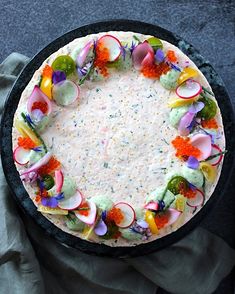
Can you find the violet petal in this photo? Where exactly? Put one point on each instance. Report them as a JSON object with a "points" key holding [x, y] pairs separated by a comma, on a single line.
{"points": [[192, 162], [49, 201], [159, 55], [184, 123], [101, 228], [143, 224], [196, 107], [60, 196], [58, 76], [37, 115]]}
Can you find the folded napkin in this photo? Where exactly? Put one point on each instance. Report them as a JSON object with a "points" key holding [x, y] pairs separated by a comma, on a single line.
{"points": [[32, 262]]}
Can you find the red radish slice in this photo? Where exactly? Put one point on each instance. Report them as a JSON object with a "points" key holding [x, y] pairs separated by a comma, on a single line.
{"points": [[152, 205], [198, 200], [142, 54], [188, 89], [215, 161], [44, 160], [38, 96], [128, 213], [82, 55], [112, 44], [90, 218], [203, 143], [59, 180], [71, 203], [65, 92], [173, 215], [21, 155]]}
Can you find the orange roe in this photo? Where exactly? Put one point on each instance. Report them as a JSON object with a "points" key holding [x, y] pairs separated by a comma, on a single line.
{"points": [[209, 124], [154, 71], [41, 106], [188, 193], [101, 59], [115, 215], [47, 71], [52, 165], [38, 199], [171, 56], [184, 148], [84, 212], [26, 143], [161, 220]]}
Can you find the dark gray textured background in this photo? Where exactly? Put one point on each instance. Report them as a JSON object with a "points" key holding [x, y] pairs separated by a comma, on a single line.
{"points": [[26, 26]]}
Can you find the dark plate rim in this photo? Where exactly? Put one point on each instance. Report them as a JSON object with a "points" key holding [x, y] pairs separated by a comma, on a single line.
{"points": [[13, 179]]}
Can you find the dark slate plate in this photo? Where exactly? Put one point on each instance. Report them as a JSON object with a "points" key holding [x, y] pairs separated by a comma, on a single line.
{"points": [[13, 179]]}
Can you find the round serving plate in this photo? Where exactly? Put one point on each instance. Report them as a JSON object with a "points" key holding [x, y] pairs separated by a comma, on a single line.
{"points": [[12, 176]]}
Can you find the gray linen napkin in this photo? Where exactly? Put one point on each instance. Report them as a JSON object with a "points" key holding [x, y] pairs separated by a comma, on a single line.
{"points": [[37, 264]]}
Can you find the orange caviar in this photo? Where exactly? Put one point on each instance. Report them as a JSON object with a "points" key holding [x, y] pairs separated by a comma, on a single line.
{"points": [[47, 71], [115, 215], [85, 211], [101, 59], [50, 167], [154, 71], [41, 106], [26, 143], [38, 198], [188, 193], [184, 148], [161, 220], [171, 56], [209, 124]]}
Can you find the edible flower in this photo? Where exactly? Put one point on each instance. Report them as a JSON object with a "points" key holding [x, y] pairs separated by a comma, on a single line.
{"points": [[159, 56], [58, 76], [49, 202], [192, 162]]}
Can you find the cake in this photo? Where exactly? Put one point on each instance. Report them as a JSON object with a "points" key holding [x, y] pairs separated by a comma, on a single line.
{"points": [[118, 138]]}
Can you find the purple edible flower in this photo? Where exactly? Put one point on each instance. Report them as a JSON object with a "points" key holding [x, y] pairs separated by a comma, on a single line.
{"points": [[174, 66], [37, 149], [58, 76], [159, 55], [30, 177], [49, 202], [161, 204], [192, 162], [196, 107], [60, 196], [133, 45], [29, 120], [192, 187], [123, 51], [104, 215]]}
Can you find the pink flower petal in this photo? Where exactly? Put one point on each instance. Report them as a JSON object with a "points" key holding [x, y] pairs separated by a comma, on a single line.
{"points": [[142, 51], [203, 143]]}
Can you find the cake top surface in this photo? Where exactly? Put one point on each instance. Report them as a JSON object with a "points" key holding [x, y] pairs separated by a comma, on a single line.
{"points": [[120, 137]]}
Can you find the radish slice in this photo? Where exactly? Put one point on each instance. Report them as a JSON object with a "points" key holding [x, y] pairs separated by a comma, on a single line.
{"points": [[65, 92], [44, 160], [82, 55], [38, 96], [173, 215], [71, 203], [101, 228], [112, 44], [59, 180], [21, 155], [197, 200], [152, 206], [141, 54], [216, 149], [188, 89], [203, 143], [90, 218], [128, 212]]}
